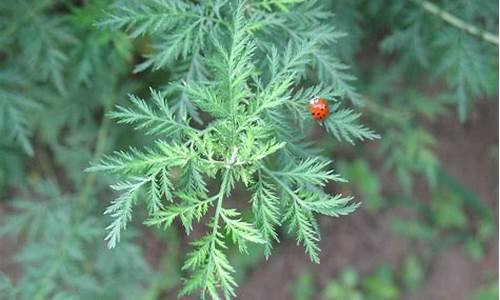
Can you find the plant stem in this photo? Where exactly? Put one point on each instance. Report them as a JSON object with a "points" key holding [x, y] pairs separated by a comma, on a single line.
{"points": [[220, 198], [281, 183], [457, 22], [218, 208]]}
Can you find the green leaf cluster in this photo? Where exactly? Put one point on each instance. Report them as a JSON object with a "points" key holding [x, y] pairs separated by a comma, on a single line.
{"points": [[55, 252], [254, 136]]}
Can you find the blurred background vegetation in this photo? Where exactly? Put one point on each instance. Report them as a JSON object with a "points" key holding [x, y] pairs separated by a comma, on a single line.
{"points": [[427, 82]]}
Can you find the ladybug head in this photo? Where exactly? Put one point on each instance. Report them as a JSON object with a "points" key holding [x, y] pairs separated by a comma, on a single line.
{"points": [[314, 100]]}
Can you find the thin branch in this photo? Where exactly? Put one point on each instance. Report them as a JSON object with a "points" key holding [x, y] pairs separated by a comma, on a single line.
{"points": [[457, 22], [215, 229]]}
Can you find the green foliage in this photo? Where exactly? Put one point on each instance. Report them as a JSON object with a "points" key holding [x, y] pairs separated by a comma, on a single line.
{"points": [[217, 112], [303, 287], [346, 287], [249, 113], [53, 86], [407, 148], [381, 285], [413, 229], [344, 126], [409, 151], [412, 273], [365, 182], [42, 87], [14, 109], [453, 54], [449, 212], [489, 291], [446, 220], [55, 252]]}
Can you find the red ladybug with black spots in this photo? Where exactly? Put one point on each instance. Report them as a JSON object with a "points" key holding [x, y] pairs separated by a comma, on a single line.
{"points": [[319, 108]]}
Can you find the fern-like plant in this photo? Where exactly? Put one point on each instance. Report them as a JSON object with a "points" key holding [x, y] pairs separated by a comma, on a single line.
{"points": [[257, 136]]}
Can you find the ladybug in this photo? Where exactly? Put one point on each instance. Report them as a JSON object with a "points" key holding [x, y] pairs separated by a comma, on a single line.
{"points": [[318, 108]]}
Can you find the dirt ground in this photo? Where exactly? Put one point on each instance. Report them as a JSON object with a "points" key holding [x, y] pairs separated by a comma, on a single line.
{"points": [[365, 241]]}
